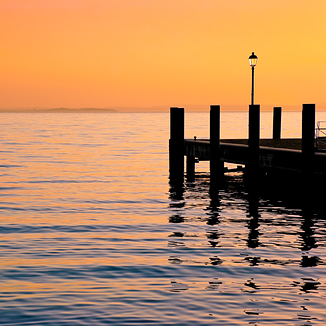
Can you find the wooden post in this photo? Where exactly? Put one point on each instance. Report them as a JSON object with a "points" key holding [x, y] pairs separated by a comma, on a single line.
{"points": [[277, 117], [216, 166], [176, 144], [308, 148], [190, 168], [253, 147], [308, 133], [254, 135], [253, 158]]}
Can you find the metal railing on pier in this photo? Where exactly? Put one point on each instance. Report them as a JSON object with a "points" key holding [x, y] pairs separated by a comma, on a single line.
{"points": [[321, 134]]}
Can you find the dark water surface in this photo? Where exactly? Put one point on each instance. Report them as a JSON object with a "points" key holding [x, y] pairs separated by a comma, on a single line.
{"points": [[92, 235]]}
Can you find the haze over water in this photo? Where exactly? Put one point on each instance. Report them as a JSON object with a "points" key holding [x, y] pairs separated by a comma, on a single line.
{"points": [[91, 235]]}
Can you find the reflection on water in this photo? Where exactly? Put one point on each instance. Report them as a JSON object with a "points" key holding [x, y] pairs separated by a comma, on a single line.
{"points": [[274, 241], [307, 233], [193, 195], [93, 234]]}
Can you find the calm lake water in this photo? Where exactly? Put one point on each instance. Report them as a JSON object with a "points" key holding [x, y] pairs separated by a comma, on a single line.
{"points": [[91, 235]]}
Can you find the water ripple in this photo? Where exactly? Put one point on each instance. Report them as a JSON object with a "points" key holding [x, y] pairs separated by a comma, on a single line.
{"points": [[93, 234]]}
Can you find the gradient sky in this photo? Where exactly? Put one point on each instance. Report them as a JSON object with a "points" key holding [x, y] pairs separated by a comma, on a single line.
{"points": [[144, 53]]}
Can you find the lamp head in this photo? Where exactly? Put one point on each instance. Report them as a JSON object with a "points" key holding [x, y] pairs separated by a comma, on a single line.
{"points": [[253, 60]]}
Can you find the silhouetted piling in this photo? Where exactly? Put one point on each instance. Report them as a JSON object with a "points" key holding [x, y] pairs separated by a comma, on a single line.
{"points": [[277, 120], [308, 135], [216, 165], [253, 156], [191, 164], [253, 139], [308, 149], [176, 144]]}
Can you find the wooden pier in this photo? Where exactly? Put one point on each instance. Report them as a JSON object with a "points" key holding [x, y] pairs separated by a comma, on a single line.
{"points": [[277, 157], [282, 154]]}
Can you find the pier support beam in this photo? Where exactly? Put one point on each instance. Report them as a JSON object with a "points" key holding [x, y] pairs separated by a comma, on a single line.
{"points": [[216, 165], [277, 118], [176, 144]]}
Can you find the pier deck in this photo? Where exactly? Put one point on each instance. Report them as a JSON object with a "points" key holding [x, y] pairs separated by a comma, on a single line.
{"points": [[284, 143], [277, 154]]}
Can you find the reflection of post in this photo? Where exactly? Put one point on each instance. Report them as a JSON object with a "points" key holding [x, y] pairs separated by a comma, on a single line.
{"points": [[213, 210], [277, 117], [308, 237], [253, 223], [307, 234], [176, 145], [177, 202], [253, 235], [216, 165]]}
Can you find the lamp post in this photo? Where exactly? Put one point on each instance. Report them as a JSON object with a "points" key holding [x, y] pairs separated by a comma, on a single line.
{"points": [[253, 62]]}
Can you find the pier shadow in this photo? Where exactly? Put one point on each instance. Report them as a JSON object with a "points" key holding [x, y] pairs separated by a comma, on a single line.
{"points": [[293, 190]]}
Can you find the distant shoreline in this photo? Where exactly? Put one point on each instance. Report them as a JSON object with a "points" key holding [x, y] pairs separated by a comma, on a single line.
{"points": [[59, 110], [188, 109]]}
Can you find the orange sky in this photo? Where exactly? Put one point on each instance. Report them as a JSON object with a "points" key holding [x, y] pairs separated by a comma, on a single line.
{"points": [[144, 53]]}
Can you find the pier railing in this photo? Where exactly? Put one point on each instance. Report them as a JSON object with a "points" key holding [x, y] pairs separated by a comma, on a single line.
{"points": [[321, 134]]}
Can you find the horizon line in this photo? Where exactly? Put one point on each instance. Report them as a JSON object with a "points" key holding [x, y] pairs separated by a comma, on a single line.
{"points": [[157, 108]]}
